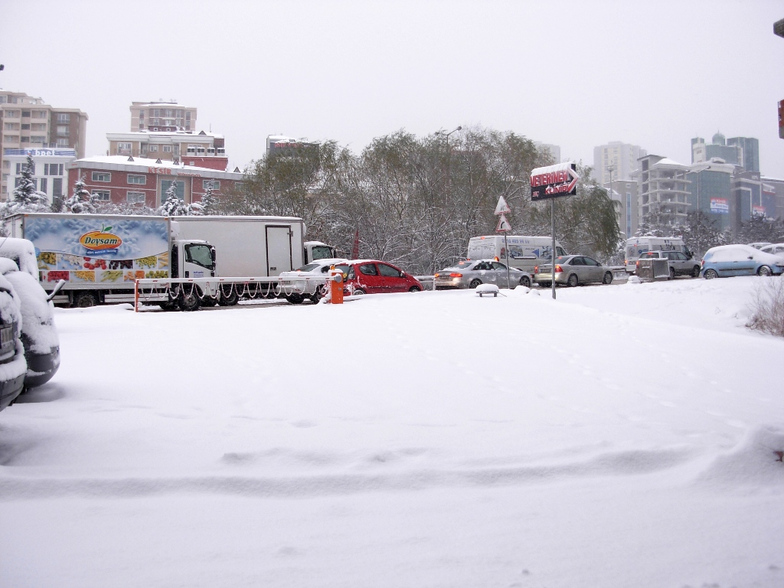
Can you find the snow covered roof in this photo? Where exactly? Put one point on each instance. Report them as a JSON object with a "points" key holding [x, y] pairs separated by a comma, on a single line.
{"points": [[131, 163]]}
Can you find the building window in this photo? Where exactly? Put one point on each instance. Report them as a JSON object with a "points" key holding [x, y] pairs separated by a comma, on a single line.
{"points": [[179, 189], [53, 169], [137, 179], [167, 148], [135, 197], [44, 185], [57, 187], [62, 142], [102, 177], [62, 131], [153, 148], [37, 139], [102, 195], [63, 117], [207, 184]]}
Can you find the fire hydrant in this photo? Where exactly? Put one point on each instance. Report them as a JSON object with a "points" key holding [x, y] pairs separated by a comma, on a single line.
{"points": [[336, 286]]}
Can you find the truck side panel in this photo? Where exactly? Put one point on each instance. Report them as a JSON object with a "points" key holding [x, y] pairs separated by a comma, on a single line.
{"points": [[247, 246], [93, 252]]}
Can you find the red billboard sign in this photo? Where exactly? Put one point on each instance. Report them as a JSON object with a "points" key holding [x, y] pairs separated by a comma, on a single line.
{"points": [[554, 181]]}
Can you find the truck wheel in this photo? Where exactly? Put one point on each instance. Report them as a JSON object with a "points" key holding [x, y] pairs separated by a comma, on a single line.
{"points": [[294, 298], [228, 295], [84, 300], [189, 299]]}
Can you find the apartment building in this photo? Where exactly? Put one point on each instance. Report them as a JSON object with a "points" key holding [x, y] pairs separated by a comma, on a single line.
{"points": [[144, 182], [616, 161], [194, 149], [162, 116], [664, 190], [28, 123]]}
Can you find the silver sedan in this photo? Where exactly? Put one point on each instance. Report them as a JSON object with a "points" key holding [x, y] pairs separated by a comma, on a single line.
{"points": [[573, 270], [472, 273]]}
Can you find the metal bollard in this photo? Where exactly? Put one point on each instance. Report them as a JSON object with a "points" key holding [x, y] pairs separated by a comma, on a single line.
{"points": [[336, 286]]}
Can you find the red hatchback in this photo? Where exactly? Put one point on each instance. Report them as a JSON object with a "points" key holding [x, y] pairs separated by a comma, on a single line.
{"points": [[370, 276]]}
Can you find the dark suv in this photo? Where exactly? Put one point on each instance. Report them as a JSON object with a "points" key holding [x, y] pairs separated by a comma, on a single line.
{"points": [[680, 263]]}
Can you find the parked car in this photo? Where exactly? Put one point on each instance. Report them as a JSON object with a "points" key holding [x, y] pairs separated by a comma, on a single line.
{"points": [[776, 249], [739, 260], [680, 264], [370, 276], [302, 283], [38, 334], [573, 270], [759, 244], [474, 272], [13, 366]]}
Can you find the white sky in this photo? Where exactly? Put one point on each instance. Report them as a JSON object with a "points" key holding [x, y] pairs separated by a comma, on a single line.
{"points": [[572, 73]]}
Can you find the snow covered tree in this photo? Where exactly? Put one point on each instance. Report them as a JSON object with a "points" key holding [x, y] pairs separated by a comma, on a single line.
{"points": [[81, 201], [173, 205], [27, 198], [209, 203]]}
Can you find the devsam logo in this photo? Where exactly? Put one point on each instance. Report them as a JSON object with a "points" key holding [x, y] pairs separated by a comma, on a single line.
{"points": [[103, 240]]}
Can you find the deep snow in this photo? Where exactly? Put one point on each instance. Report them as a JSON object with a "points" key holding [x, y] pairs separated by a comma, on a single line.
{"points": [[618, 436]]}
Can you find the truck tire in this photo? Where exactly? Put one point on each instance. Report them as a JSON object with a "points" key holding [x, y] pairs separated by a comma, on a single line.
{"points": [[84, 300], [228, 295], [189, 299], [295, 298]]}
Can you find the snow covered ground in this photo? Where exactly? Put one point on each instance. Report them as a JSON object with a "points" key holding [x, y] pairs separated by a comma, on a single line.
{"points": [[619, 436]]}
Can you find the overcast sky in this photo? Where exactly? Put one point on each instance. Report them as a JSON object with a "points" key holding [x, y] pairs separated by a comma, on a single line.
{"points": [[572, 73]]}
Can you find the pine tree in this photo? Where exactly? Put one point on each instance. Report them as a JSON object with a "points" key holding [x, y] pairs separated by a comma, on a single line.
{"points": [[81, 201], [27, 198], [209, 203], [173, 206]]}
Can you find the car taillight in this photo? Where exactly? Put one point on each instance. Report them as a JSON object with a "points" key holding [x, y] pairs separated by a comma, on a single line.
{"points": [[558, 269], [455, 275], [436, 275], [536, 269]]}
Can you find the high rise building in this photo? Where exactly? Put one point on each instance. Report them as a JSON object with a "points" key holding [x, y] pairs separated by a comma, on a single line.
{"points": [[664, 191], [750, 149], [161, 116], [616, 161], [710, 190], [29, 125], [718, 149]]}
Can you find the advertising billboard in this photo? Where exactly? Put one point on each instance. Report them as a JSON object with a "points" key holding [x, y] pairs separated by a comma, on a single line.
{"points": [[719, 205], [554, 181]]}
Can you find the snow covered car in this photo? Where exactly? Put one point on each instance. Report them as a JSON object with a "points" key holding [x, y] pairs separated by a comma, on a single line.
{"points": [[776, 249], [739, 260], [306, 281], [13, 366], [472, 273]]}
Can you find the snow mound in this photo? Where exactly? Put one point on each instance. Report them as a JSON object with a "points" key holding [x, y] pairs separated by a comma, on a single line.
{"points": [[757, 460]]}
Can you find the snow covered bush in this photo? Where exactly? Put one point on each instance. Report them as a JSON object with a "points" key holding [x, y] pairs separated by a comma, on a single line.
{"points": [[768, 308]]}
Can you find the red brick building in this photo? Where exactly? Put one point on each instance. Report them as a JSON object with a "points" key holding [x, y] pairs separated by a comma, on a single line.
{"points": [[145, 182]]}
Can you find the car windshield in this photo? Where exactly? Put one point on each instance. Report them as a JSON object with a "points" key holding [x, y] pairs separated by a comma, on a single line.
{"points": [[309, 267]]}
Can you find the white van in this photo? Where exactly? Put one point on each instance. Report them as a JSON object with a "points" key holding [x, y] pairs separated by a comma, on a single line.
{"points": [[636, 246], [524, 252]]}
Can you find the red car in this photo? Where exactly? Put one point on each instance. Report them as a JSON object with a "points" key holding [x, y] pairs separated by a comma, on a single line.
{"points": [[369, 276]]}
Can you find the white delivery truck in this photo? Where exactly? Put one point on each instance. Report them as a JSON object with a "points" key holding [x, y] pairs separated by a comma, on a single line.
{"points": [[253, 247], [99, 257], [524, 252], [636, 246]]}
